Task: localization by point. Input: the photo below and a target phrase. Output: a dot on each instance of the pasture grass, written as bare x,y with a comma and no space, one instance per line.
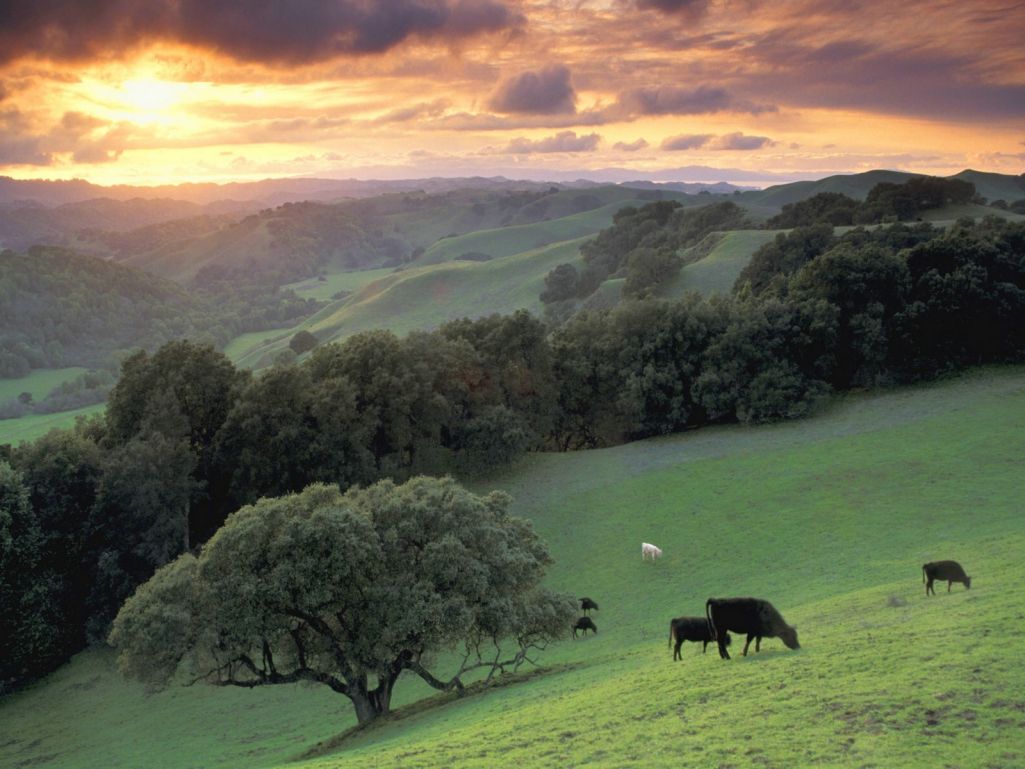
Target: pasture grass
421,297
39,382
32,426
830,518
516,239
351,280
718,271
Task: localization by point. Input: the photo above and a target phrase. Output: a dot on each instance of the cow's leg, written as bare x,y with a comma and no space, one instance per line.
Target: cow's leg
704,647
929,588
949,583
676,651
722,650
749,638
758,643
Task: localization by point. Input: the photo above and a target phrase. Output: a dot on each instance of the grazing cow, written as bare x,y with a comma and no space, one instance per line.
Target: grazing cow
585,624
691,629
950,571
586,604
754,616
648,549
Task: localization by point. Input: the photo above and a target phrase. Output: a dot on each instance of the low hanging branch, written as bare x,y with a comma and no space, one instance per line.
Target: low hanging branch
332,589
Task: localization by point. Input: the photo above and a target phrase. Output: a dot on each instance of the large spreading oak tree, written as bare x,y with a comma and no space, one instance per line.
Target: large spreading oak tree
348,590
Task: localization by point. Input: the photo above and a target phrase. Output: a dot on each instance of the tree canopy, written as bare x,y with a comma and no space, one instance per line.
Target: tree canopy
348,590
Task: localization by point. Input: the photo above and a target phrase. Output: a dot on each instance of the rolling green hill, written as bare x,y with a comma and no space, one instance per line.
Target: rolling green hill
854,186
422,298
32,426
38,383
718,271
995,186
830,518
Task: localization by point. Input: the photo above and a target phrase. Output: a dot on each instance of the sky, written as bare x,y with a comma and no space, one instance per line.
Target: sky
750,91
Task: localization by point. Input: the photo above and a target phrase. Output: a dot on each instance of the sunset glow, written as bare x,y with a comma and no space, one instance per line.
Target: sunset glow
751,90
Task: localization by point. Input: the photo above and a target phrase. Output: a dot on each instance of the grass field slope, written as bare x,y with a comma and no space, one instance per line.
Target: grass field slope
830,518
422,298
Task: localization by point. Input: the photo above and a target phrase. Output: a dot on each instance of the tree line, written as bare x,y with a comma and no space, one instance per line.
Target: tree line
87,515
648,247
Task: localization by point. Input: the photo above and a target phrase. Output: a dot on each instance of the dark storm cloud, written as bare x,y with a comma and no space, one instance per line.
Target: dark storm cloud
291,31
547,91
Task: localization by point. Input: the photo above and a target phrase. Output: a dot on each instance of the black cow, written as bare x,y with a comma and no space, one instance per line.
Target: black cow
691,629
754,616
950,571
586,604
585,624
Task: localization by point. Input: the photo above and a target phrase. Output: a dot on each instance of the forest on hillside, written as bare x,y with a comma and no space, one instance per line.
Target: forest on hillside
88,514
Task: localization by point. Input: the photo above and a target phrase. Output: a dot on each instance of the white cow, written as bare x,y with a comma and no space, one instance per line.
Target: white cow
649,549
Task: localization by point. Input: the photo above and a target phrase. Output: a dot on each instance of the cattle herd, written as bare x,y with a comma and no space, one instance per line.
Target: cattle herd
754,617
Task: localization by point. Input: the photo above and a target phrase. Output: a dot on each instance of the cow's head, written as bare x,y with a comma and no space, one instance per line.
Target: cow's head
789,637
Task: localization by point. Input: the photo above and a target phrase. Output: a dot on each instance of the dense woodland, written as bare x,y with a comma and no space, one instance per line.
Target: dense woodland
87,515
59,308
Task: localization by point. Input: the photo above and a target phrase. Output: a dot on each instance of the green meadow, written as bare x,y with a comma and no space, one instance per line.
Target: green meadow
39,383
419,297
32,426
830,518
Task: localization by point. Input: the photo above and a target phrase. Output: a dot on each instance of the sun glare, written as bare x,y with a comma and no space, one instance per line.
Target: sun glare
142,100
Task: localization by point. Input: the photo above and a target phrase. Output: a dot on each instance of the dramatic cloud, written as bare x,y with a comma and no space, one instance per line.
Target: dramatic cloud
633,146
545,92
691,8
738,141
672,100
732,141
686,142
294,31
564,141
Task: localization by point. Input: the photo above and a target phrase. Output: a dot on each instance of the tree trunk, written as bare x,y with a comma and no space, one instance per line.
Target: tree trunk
371,703
381,696
365,708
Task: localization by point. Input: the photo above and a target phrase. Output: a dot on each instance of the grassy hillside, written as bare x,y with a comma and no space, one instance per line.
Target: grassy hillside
830,518
718,271
513,239
423,298
855,186
32,426
995,186
39,382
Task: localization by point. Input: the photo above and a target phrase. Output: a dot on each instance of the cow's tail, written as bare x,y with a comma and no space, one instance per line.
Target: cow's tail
711,624
672,633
